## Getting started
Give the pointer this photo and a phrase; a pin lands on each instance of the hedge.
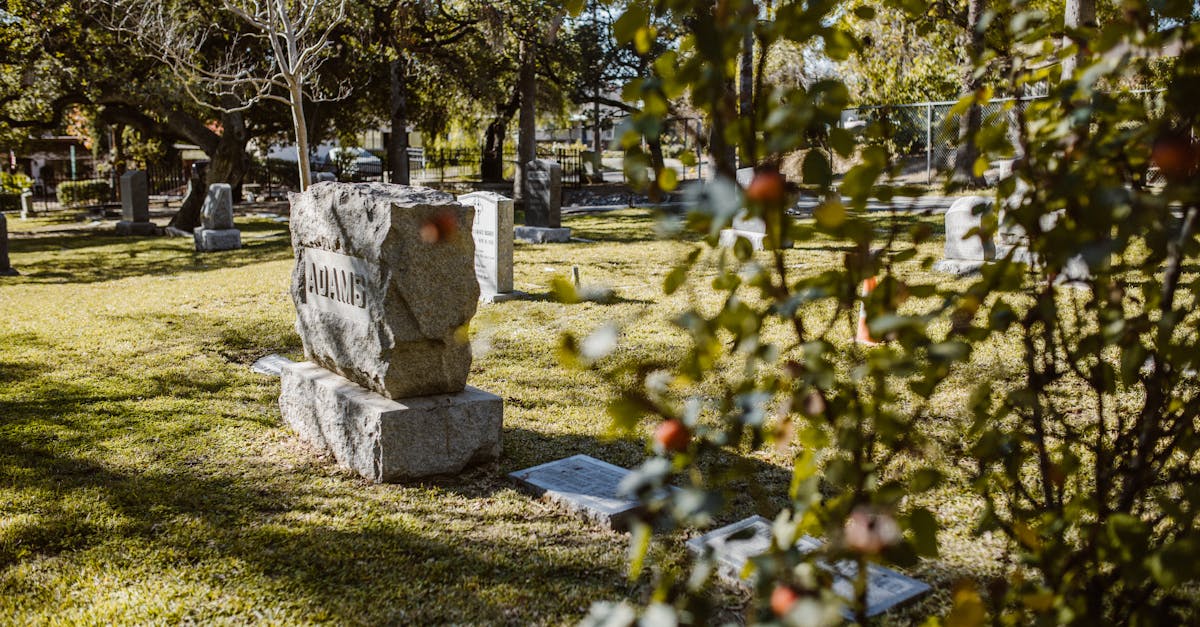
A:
(91, 192)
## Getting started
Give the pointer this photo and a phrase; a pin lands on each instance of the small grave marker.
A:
(584, 485)
(271, 365)
(886, 588)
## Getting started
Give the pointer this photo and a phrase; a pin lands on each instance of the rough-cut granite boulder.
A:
(217, 213)
(384, 285)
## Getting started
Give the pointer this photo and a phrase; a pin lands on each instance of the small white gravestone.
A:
(216, 230)
(135, 205)
(965, 254)
(492, 231)
(886, 588)
(584, 485)
(380, 308)
(753, 230)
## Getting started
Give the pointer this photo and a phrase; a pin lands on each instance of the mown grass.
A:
(146, 477)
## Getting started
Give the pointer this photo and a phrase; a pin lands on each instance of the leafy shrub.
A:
(92, 192)
(14, 183)
(1084, 452)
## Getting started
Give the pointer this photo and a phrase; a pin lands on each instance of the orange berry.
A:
(672, 435)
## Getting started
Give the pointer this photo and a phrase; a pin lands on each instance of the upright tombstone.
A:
(492, 231)
(6, 268)
(1011, 239)
(381, 307)
(135, 205)
(543, 204)
(966, 252)
(753, 230)
(216, 230)
(26, 205)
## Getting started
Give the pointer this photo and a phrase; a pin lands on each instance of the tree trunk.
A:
(1076, 14)
(746, 97)
(188, 217)
(227, 161)
(492, 165)
(296, 97)
(968, 152)
(527, 135)
(398, 148)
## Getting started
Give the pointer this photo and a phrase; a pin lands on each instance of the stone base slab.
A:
(542, 234)
(502, 297)
(127, 227)
(209, 240)
(10, 271)
(387, 440)
(729, 237)
(960, 267)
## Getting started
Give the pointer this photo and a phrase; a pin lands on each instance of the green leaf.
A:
(816, 169)
(639, 545)
(924, 528)
(626, 27)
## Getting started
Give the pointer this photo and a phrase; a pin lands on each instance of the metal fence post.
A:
(928, 143)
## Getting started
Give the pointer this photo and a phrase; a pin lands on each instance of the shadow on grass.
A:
(92, 257)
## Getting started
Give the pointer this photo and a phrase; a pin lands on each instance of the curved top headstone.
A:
(384, 285)
(218, 207)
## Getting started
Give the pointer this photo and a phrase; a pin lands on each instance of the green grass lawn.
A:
(146, 476)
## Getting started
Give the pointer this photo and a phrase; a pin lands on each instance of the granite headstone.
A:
(381, 308)
(216, 230)
(135, 205)
(543, 204)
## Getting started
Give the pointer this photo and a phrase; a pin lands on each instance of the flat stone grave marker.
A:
(584, 485)
(886, 588)
(271, 365)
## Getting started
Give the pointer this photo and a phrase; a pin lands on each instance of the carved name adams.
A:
(337, 283)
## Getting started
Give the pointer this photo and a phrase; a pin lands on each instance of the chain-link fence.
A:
(924, 135)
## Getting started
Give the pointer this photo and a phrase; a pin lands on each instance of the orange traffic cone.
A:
(864, 334)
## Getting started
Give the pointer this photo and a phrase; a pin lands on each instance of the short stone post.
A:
(216, 230)
(492, 231)
(380, 308)
(26, 205)
(135, 205)
(6, 268)
(543, 204)
(753, 230)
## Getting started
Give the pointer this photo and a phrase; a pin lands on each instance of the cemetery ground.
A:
(146, 476)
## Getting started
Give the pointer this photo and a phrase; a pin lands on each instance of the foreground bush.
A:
(1084, 459)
